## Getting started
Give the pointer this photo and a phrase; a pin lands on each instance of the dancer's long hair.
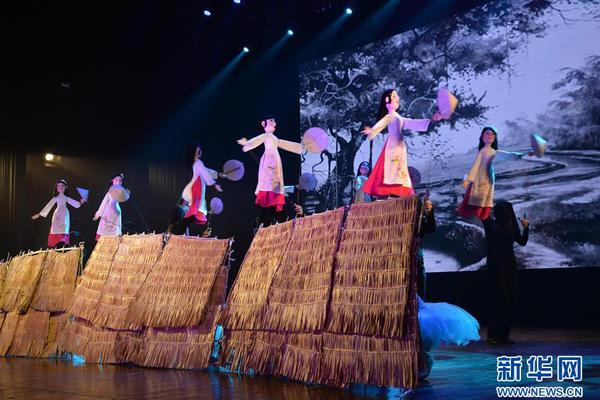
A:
(382, 112)
(114, 176)
(55, 192)
(368, 164)
(190, 155)
(495, 143)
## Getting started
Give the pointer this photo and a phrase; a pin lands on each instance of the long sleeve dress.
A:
(479, 198)
(502, 275)
(270, 188)
(195, 192)
(109, 213)
(390, 175)
(61, 220)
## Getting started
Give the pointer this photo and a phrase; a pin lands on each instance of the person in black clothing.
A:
(177, 223)
(426, 225)
(501, 232)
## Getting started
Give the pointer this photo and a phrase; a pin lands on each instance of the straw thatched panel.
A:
(373, 269)
(57, 283)
(30, 335)
(135, 257)
(21, 281)
(178, 288)
(90, 286)
(247, 301)
(7, 333)
(298, 297)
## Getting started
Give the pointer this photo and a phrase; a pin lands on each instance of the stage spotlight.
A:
(290, 32)
(246, 50)
(207, 13)
(49, 157)
(237, 1)
(348, 11)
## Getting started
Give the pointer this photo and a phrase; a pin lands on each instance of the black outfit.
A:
(177, 223)
(268, 215)
(502, 275)
(427, 225)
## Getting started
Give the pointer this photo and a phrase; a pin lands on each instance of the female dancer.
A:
(501, 232)
(195, 191)
(390, 176)
(59, 230)
(270, 189)
(364, 169)
(479, 198)
(109, 212)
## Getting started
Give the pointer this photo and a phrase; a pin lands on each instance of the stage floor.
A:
(458, 373)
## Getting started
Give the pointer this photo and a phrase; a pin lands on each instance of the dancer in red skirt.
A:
(195, 191)
(390, 176)
(479, 198)
(59, 230)
(270, 188)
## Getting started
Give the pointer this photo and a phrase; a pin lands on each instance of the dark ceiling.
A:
(81, 70)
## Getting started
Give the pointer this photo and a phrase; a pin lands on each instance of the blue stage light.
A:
(246, 50)
(348, 11)
(237, 1)
(290, 32)
(207, 13)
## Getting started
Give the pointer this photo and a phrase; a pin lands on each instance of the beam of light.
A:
(372, 26)
(207, 13)
(265, 61)
(246, 50)
(290, 32)
(184, 122)
(348, 11)
(49, 157)
(323, 40)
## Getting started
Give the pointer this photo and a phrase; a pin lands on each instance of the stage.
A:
(458, 373)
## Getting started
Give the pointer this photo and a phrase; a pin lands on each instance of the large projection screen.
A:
(524, 67)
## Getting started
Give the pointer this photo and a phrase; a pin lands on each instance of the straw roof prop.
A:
(186, 348)
(298, 296)
(101, 346)
(89, 289)
(57, 282)
(371, 336)
(30, 335)
(247, 302)
(75, 336)
(3, 272)
(135, 257)
(178, 288)
(302, 358)
(21, 281)
(56, 324)
(9, 326)
(372, 275)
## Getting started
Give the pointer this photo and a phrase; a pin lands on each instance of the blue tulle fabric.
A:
(443, 323)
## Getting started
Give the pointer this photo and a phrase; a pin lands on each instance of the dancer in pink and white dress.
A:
(270, 188)
(390, 176)
(59, 230)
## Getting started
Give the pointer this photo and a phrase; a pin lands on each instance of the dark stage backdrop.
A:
(524, 67)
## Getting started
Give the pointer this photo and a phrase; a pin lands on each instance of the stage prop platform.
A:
(329, 299)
